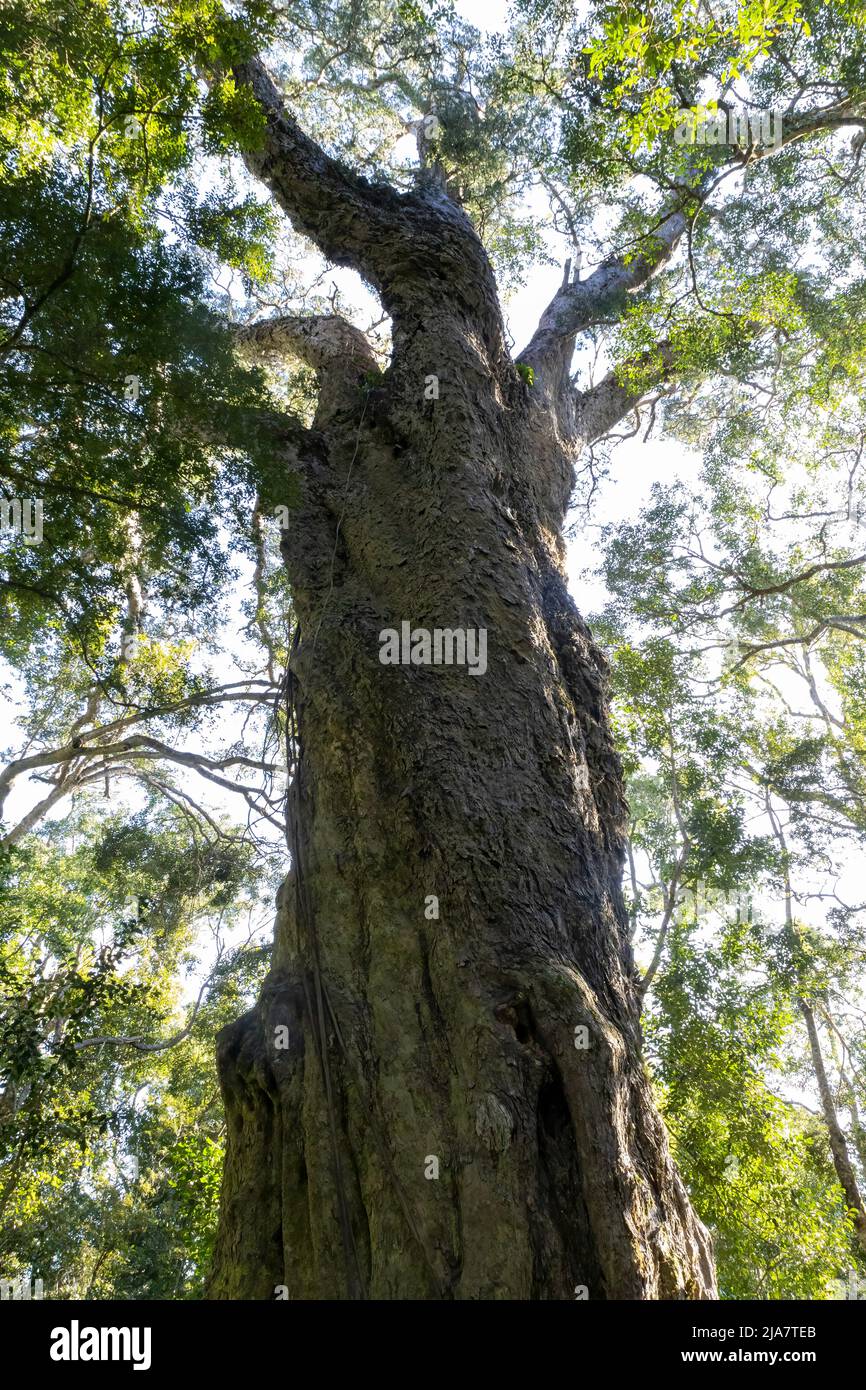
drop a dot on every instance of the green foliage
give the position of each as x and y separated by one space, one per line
527 375
645 57
111 1156
119 388
757 1170
741 733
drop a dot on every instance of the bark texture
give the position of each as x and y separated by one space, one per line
462 1109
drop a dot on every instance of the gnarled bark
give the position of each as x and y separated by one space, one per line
455 1106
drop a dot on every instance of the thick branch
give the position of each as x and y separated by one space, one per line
142 746
838 1146
35 815
602 406
320 340
371 227
337 351
83 764
604 294
255 691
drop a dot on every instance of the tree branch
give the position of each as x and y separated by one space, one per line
604 294
320 340
389 237
602 406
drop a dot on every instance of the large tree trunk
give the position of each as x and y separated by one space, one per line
457 1039
496 1045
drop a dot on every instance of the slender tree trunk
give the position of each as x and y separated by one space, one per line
838 1145
462 1108
842 1164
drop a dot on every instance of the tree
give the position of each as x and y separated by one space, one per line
111 1130
735 624
441 1091
729 972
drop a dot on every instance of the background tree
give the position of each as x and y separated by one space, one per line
111 1131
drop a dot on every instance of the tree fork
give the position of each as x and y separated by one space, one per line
462 1109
